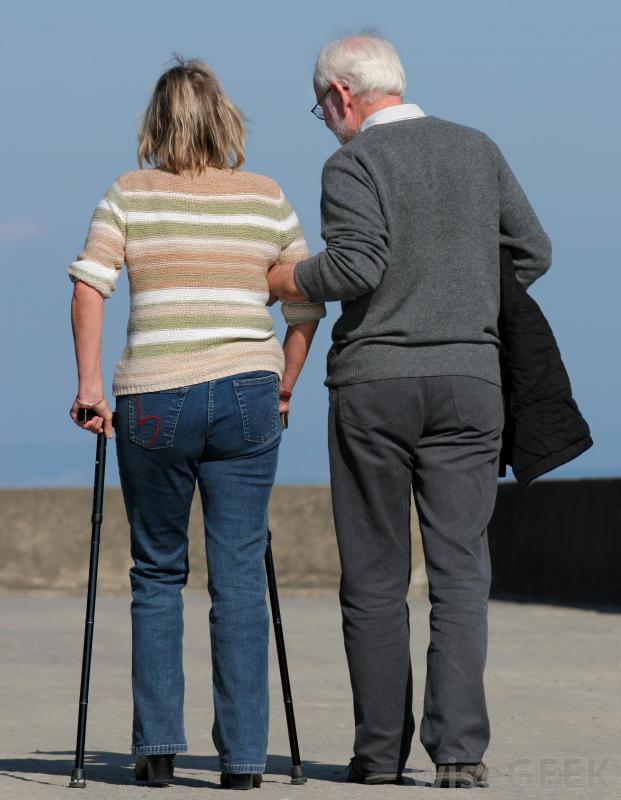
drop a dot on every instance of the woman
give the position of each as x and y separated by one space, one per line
198 391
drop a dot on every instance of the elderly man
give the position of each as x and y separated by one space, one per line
413 211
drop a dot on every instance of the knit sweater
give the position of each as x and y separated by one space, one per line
197 251
413 214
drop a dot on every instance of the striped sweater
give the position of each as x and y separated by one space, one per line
197 251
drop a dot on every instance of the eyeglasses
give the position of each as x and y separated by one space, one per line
317 110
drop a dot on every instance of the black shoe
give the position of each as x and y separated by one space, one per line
460 776
155 770
241 780
357 775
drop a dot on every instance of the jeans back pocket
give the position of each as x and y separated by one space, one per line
153 417
258 404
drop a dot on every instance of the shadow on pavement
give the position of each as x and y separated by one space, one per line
118 768
527 599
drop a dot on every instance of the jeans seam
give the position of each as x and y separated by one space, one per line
210 404
243 410
254 381
178 414
158 749
249 767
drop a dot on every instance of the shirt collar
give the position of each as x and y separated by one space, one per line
392 114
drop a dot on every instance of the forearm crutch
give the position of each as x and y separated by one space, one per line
78 780
297 770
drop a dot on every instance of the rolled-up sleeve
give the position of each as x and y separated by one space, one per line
100 262
294 249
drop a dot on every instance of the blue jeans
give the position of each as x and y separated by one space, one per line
223 434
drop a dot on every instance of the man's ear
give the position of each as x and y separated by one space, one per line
342 96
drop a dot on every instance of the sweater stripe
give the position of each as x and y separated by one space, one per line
180 347
108 229
195 334
188 230
168 322
207 206
186 218
201 244
107 207
197 293
221 354
242 197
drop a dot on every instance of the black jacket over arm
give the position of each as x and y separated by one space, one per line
544 428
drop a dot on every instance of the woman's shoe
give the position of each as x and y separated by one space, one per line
155 770
242 780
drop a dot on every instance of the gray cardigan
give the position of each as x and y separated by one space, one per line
413 213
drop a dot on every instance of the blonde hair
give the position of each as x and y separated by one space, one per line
190 123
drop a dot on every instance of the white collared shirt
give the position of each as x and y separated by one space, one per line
392 114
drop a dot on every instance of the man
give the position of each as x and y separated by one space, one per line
414 209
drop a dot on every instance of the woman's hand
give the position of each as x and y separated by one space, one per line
284 400
296 346
101 422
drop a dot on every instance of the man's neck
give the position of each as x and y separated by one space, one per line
366 109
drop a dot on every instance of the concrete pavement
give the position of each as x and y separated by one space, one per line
553 680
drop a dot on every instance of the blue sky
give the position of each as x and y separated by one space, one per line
539 76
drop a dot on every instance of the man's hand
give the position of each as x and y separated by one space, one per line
282 283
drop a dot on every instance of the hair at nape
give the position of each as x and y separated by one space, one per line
367 63
190 123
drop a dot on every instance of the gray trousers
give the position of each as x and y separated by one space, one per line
440 437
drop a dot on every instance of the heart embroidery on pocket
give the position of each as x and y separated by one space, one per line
141 421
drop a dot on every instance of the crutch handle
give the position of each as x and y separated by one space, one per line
84 415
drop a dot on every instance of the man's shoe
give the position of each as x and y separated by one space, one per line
155 770
241 780
460 776
357 775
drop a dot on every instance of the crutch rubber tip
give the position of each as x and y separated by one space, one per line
297 775
78 779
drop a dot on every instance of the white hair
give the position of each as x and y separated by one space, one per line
367 64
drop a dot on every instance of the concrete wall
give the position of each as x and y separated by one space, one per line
558 540
45 541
